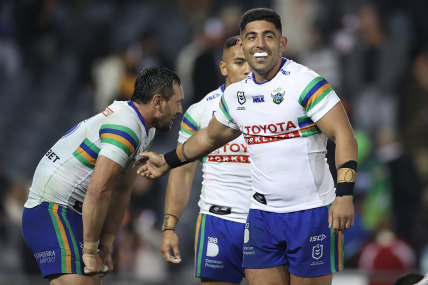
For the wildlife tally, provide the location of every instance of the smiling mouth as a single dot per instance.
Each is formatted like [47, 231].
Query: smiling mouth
[260, 54]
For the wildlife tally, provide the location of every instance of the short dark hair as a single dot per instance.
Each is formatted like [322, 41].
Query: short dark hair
[259, 14]
[154, 80]
[230, 42]
[409, 279]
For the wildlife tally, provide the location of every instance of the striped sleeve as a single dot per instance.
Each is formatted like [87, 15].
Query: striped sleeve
[224, 108]
[314, 92]
[188, 125]
[120, 136]
[223, 114]
[87, 153]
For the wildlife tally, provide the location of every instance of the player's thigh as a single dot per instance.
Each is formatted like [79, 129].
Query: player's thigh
[275, 275]
[318, 280]
[74, 279]
[206, 281]
[218, 249]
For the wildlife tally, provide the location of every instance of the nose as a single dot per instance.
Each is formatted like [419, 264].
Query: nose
[180, 109]
[260, 42]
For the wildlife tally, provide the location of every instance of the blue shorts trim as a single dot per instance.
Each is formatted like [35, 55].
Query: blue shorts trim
[218, 249]
[300, 239]
[55, 236]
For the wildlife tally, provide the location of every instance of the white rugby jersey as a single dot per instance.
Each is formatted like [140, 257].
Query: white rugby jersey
[226, 186]
[287, 150]
[63, 174]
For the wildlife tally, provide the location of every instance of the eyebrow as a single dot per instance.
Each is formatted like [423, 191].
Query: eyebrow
[239, 58]
[264, 33]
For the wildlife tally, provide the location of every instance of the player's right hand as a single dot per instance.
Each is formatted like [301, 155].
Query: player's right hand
[155, 166]
[94, 264]
[170, 243]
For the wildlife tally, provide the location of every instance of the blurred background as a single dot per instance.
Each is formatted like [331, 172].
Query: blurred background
[64, 61]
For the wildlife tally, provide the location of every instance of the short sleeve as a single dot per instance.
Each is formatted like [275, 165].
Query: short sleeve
[317, 98]
[223, 115]
[118, 142]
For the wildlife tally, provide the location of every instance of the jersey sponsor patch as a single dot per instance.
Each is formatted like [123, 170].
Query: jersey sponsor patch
[120, 136]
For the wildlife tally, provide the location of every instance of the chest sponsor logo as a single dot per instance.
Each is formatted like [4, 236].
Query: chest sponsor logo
[258, 134]
[285, 72]
[241, 97]
[278, 95]
[235, 153]
[258, 99]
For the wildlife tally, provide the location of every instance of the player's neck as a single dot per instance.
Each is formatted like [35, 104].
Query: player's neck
[269, 75]
[147, 112]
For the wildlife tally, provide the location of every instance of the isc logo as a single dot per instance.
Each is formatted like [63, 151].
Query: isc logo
[317, 238]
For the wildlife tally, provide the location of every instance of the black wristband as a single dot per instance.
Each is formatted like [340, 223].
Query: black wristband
[171, 158]
[349, 164]
[345, 188]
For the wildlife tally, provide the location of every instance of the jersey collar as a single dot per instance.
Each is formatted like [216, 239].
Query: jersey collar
[130, 103]
[222, 88]
[260, 83]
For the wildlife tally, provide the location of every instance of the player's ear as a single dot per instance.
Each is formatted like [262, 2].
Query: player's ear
[239, 44]
[223, 68]
[156, 101]
[283, 44]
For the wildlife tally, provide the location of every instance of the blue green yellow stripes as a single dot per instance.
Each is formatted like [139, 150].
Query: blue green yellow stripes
[307, 126]
[120, 136]
[336, 250]
[87, 153]
[150, 144]
[188, 125]
[73, 241]
[62, 238]
[199, 243]
[224, 108]
[314, 92]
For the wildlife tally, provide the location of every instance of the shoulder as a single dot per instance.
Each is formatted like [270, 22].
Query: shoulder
[210, 100]
[122, 120]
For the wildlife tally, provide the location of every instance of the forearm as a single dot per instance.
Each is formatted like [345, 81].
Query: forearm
[120, 197]
[98, 198]
[178, 189]
[94, 212]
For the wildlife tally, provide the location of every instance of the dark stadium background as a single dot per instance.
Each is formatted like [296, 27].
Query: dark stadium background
[63, 61]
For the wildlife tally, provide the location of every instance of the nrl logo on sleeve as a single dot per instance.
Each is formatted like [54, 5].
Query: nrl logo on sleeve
[241, 97]
[277, 96]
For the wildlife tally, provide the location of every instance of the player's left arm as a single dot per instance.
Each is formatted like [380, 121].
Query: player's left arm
[336, 126]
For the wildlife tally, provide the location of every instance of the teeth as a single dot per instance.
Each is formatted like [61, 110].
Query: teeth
[260, 54]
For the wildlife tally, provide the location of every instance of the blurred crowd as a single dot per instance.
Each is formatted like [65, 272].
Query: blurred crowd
[63, 61]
